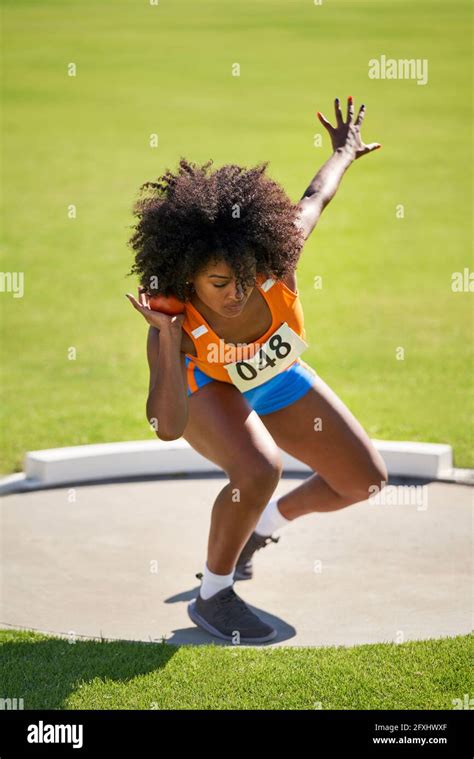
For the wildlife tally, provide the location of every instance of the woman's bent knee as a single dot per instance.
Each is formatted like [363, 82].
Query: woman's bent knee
[368, 483]
[258, 475]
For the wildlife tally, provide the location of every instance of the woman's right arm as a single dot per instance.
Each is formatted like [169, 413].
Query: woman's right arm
[167, 403]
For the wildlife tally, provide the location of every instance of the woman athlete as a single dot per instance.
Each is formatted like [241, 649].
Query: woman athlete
[226, 375]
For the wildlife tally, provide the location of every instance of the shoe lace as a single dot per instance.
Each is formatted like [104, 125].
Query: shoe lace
[229, 603]
[225, 602]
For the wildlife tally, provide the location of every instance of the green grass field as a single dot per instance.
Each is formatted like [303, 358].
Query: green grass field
[166, 69]
[84, 141]
[53, 673]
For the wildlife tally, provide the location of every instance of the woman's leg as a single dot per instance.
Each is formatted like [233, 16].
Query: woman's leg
[223, 428]
[319, 430]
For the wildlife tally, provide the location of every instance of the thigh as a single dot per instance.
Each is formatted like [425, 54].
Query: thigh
[226, 430]
[319, 430]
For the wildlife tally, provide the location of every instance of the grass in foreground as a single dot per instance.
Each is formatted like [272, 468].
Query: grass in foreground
[52, 673]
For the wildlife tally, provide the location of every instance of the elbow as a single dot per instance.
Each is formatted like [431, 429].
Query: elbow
[168, 436]
[161, 432]
[167, 427]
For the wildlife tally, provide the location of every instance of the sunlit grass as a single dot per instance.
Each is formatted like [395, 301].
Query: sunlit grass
[143, 69]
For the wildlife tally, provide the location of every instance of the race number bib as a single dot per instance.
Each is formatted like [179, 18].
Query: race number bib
[277, 354]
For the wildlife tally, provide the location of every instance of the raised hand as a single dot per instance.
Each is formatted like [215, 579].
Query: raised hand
[346, 135]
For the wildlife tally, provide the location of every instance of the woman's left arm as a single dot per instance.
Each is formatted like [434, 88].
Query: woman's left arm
[347, 146]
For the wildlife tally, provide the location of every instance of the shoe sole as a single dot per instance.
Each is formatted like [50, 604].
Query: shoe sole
[201, 622]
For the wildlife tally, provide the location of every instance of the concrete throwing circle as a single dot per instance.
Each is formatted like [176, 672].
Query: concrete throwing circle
[118, 560]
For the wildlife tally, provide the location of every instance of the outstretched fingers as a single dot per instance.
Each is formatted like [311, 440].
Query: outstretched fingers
[350, 110]
[337, 108]
[360, 115]
[325, 122]
[372, 146]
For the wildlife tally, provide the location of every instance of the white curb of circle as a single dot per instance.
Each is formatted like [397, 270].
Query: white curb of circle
[138, 458]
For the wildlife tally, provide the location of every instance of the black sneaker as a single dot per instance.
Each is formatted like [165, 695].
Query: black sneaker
[244, 568]
[224, 614]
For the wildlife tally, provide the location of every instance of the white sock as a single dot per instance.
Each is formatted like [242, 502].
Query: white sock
[212, 583]
[271, 519]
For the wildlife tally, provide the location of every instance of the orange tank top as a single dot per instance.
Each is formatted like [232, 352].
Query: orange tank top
[213, 354]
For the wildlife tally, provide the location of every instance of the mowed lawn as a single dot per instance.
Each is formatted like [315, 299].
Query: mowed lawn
[84, 141]
[49, 672]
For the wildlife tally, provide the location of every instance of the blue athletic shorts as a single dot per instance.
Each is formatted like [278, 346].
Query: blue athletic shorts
[274, 394]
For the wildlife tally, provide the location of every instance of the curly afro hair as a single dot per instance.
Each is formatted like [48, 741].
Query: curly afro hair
[195, 216]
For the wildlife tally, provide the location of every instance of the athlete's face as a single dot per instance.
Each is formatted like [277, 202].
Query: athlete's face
[216, 286]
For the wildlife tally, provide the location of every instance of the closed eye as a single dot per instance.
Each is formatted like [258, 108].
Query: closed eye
[219, 286]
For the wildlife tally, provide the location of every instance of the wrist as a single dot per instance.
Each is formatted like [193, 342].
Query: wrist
[345, 154]
[171, 334]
